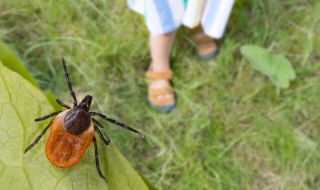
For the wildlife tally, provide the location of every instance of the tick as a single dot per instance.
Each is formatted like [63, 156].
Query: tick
[72, 131]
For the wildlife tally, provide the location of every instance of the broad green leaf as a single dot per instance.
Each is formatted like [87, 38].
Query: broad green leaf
[119, 173]
[52, 100]
[277, 67]
[10, 60]
[20, 103]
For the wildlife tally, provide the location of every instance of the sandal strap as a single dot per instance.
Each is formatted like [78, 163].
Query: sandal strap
[201, 38]
[155, 75]
[160, 91]
[156, 100]
[210, 46]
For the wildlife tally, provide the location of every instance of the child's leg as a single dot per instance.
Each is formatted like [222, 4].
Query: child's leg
[160, 94]
[160, 47]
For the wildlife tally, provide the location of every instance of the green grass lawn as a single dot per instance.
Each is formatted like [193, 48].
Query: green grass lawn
[230, 129]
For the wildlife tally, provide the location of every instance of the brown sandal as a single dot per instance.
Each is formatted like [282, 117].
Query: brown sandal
[162, 99]
[206, 47]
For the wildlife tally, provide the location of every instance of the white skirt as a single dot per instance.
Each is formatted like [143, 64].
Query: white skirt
[163, 16]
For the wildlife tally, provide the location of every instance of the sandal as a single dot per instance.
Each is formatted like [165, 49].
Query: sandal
[206, 46]
[162, 98]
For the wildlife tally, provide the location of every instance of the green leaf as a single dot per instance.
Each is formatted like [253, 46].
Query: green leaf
[20, 103]
[277, 67]
[52, 100]
[119, 173]
[10, 60]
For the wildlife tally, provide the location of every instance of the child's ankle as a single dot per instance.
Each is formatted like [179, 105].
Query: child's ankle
[159, 67]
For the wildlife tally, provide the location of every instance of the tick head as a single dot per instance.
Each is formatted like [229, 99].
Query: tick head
[86, 103]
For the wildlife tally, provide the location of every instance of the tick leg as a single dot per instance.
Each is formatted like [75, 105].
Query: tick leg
[96, 153]
[97, 122]
[73, 95]
[115, 122]
[47, 116]
[38, 138]
[62, 104]
[102, 136]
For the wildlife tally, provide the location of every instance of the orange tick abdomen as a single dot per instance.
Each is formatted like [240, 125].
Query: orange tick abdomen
[63, 149]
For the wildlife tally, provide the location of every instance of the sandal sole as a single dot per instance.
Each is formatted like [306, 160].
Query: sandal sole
[209, 55]
[163, 109]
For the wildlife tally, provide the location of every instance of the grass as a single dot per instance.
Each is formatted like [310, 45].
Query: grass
[230, 129]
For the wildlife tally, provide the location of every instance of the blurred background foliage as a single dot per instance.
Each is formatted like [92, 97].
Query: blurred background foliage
[230, 129]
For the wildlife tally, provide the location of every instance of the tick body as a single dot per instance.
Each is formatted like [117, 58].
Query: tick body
[64, 149]
[72, 131]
